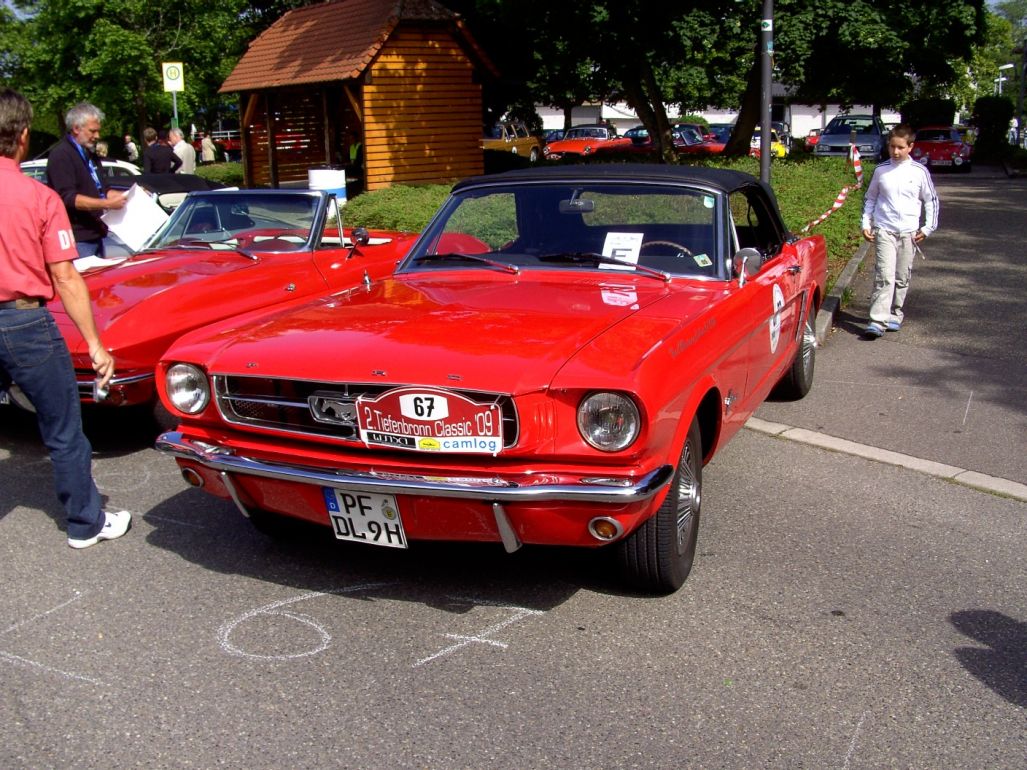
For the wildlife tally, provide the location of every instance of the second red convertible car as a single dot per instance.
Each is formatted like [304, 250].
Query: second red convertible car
[585, 140]
[554, 361]
[222, 253]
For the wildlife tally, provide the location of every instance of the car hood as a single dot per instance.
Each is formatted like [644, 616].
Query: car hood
[153, 285]
[476, 331]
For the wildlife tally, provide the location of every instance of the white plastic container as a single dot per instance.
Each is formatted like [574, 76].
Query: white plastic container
[332, 180]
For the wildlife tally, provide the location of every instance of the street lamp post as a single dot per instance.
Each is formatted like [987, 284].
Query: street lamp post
[1001, 79]
[766, 78]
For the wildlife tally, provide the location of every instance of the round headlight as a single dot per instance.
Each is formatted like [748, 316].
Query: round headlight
[187, 388]
[608, 421]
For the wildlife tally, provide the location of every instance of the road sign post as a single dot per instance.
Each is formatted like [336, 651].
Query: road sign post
[174, 81]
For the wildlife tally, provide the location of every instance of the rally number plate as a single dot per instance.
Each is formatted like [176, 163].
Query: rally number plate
[365, 517]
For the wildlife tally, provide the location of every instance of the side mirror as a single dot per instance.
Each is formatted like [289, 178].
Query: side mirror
[745, 263]
[358, 237]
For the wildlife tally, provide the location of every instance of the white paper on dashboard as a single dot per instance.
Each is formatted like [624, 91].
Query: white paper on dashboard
[623, 246]
[88, 263]
[141, 217]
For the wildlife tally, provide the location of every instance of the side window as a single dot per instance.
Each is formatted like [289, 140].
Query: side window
[754, 225]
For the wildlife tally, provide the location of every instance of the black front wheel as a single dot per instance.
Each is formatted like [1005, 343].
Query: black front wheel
[658, 556]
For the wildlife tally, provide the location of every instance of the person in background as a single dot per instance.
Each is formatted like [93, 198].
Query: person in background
[36, 262]
[185, 152]
[901, 195]
[102, 149]
[208, 152]
[158, 157]
[74, 171]
[131, 150]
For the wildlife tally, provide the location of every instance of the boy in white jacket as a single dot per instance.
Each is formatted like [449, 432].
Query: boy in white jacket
[900, 210]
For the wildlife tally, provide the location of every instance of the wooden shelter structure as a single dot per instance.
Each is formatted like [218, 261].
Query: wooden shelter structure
[388, 89]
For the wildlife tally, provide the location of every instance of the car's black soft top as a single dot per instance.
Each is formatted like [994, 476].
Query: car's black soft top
[725, 180]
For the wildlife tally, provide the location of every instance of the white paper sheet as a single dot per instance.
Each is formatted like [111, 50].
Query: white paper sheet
[141, 217]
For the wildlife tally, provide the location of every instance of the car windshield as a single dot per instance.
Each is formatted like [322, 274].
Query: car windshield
[496, 132]
[586, 133]
[848, 125]
[604, 226]
[936, 135]
[231, 220]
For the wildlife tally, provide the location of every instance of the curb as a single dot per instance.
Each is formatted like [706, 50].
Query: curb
[829, 308]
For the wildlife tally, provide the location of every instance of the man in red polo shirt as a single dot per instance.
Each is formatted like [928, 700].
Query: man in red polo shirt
[36, 252]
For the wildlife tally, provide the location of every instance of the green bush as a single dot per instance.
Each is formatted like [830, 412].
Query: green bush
[227, 174]
[404, 208]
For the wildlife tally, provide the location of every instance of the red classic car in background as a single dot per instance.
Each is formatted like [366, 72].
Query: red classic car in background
[553, 362]
[222, 253]
[941, 147]
[585, 140]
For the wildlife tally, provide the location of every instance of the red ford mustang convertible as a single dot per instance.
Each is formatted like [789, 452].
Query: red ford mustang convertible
[554, 361]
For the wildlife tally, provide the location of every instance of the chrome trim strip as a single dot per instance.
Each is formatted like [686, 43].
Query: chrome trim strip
[90, 379]
[510, 540]
[225, 460]
[230, 486]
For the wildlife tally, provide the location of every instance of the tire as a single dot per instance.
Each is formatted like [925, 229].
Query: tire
[533, 157]
[162, 418]
[658, 556]
[798, 380]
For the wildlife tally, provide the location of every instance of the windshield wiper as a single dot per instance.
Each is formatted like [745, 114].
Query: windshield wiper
[593, 258]
[469, 258]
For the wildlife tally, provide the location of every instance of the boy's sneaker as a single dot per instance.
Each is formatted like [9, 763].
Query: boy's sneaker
[874, 329]
[894, 326]
[116, 524]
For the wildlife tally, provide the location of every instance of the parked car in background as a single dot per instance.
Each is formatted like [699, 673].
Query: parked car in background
[554, 362]
[584, 140]
[941, 147]
[110, 168]
[811, 139]
[512, 136]
[703, 131]
[222, 253]
[721, 132]
[867, 132]
[778, 149]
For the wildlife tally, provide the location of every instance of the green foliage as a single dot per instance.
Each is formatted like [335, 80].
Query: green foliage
[227, 174]
[405, 208]
[991, 117]
[928, 112]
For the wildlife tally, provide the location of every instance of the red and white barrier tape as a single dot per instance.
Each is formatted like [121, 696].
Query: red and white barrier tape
[857, 166]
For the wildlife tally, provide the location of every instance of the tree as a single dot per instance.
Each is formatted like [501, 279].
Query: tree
[110, 53]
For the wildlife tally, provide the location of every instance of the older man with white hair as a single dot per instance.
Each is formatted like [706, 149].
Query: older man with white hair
[74, 170]
[183, 150]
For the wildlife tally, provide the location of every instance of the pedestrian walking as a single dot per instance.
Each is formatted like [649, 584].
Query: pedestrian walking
[73, 169]
[131, 150]
[37, 250]
[185, 152]
[899, 211]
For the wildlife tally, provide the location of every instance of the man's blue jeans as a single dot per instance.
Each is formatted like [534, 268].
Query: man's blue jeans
[34, 354]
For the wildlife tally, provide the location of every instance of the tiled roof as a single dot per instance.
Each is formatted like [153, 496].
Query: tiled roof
[326, 42]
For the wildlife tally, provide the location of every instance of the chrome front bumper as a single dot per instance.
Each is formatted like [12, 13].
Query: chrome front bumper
[586, 489]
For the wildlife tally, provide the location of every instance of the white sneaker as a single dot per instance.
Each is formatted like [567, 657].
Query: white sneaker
[116, 524]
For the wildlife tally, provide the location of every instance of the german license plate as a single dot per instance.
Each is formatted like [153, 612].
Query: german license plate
[365, 517]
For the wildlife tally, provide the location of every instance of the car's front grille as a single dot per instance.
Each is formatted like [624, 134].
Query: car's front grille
[284, 405]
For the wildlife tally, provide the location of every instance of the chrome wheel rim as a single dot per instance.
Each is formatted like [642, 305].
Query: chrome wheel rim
[809, 345]
[688, 495]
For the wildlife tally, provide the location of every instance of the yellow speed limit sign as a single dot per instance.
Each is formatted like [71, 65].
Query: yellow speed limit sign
[174, 78]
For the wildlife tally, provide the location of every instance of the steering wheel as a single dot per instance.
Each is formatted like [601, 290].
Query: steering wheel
[684, 249]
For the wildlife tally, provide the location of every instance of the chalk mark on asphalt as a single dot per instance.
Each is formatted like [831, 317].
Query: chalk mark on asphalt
[967, 412]
[481, 637]
[852, 743]
[17, 659]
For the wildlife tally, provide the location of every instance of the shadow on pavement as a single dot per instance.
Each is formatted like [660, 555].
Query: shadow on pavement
[1002, 664]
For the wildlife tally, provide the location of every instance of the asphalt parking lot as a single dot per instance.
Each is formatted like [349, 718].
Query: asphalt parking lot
[843, 612]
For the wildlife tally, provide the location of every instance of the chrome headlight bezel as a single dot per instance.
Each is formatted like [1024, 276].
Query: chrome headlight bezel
[187, 387]
[609, 421]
